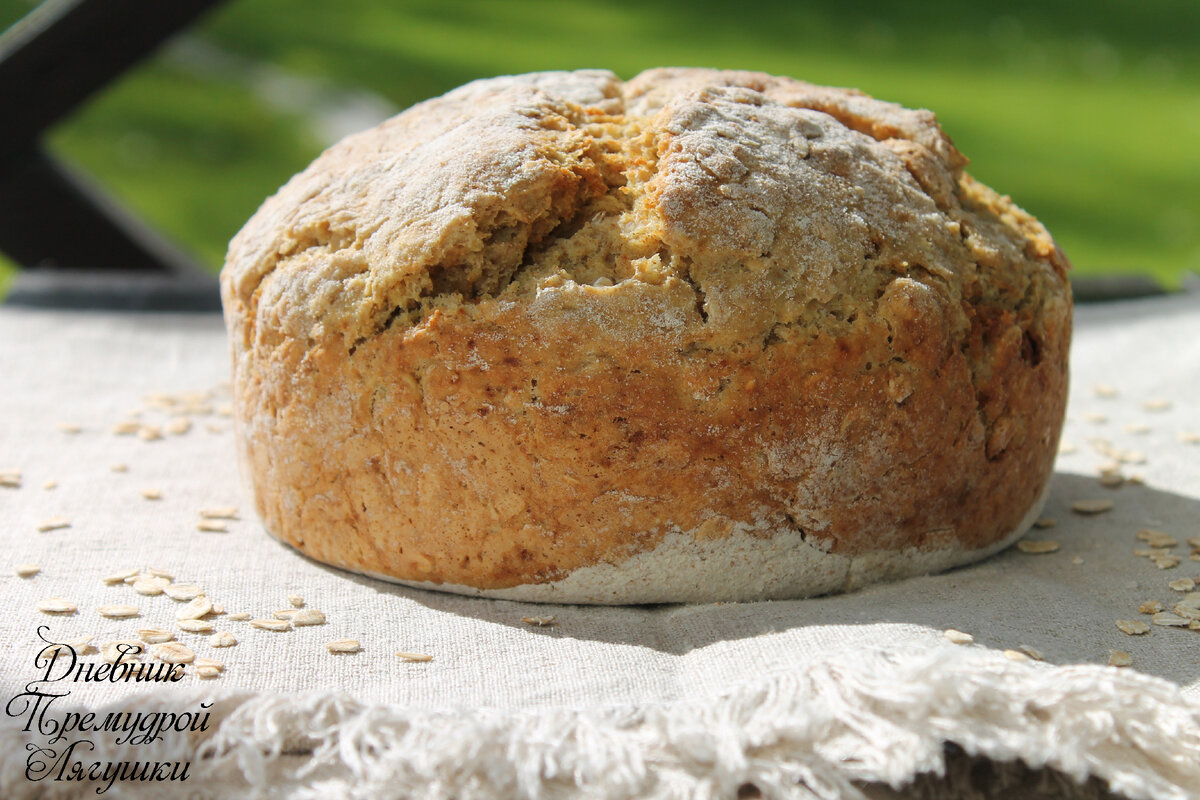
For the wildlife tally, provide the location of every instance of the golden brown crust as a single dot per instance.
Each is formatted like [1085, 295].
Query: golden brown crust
[542, 322]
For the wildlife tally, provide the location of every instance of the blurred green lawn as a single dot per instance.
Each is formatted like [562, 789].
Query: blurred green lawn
[1087, 113]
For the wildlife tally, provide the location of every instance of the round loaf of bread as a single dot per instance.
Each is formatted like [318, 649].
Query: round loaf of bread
[696, 336]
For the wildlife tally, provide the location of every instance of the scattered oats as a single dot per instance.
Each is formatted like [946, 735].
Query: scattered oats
[1091, 506]
[118, 612]
[1193, 541]
[1149, 607]
[151, 586]
[1015, 655]
[1045, 522]
[195, 626]
[1186, 611]
[1156, 538]
[538, 621]
[1095, 417]
[958, 637]
[222, 512]
[1137, 428]
[218, 608]
[54, 524]
[1111, 480]
[225, 410]
[222, 639]
[56, 605]
[1194, 555]
[1194, 625]
[212, 526]
[119, 468]
[1136, 479]
[277, 625]
[182, 591]
[173, 653]
[154, 635]
[1131, 457]
[1182, 585]
[284, 613]
[344, 646]
[120, 577]
[1169, 620]
[1189, 437]
[1077, 560]
[1066, 448]
[1104, 390]
[160, 400]
[196, 609]
[27, 570]
[152, 494]
[1037, 547]
[149, 433]
[121, 650]
[211, 663]
[1133, 627]
[179, 426]
[10, 478]
[1191, 599]
[308, 616]
[1119, 658]
[208, 672]
[127, 427]
[158, 573]
[70, 427]
[1032, 652]
[1156, 404]
[414, 656]
[81, 646]
[50, 485]
[296, 600]
[1165, 562]
[240, 616]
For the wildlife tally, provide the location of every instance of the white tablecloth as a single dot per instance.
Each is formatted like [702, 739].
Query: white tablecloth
[801, 698]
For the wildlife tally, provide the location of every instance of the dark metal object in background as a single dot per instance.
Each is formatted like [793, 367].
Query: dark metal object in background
[50, 63]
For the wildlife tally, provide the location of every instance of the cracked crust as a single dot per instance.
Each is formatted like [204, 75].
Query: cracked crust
[549, 322]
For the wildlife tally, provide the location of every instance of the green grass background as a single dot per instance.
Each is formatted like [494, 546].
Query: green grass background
[1087, 113]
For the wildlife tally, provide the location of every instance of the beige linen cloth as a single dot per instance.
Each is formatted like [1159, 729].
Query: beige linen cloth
[800, 699]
